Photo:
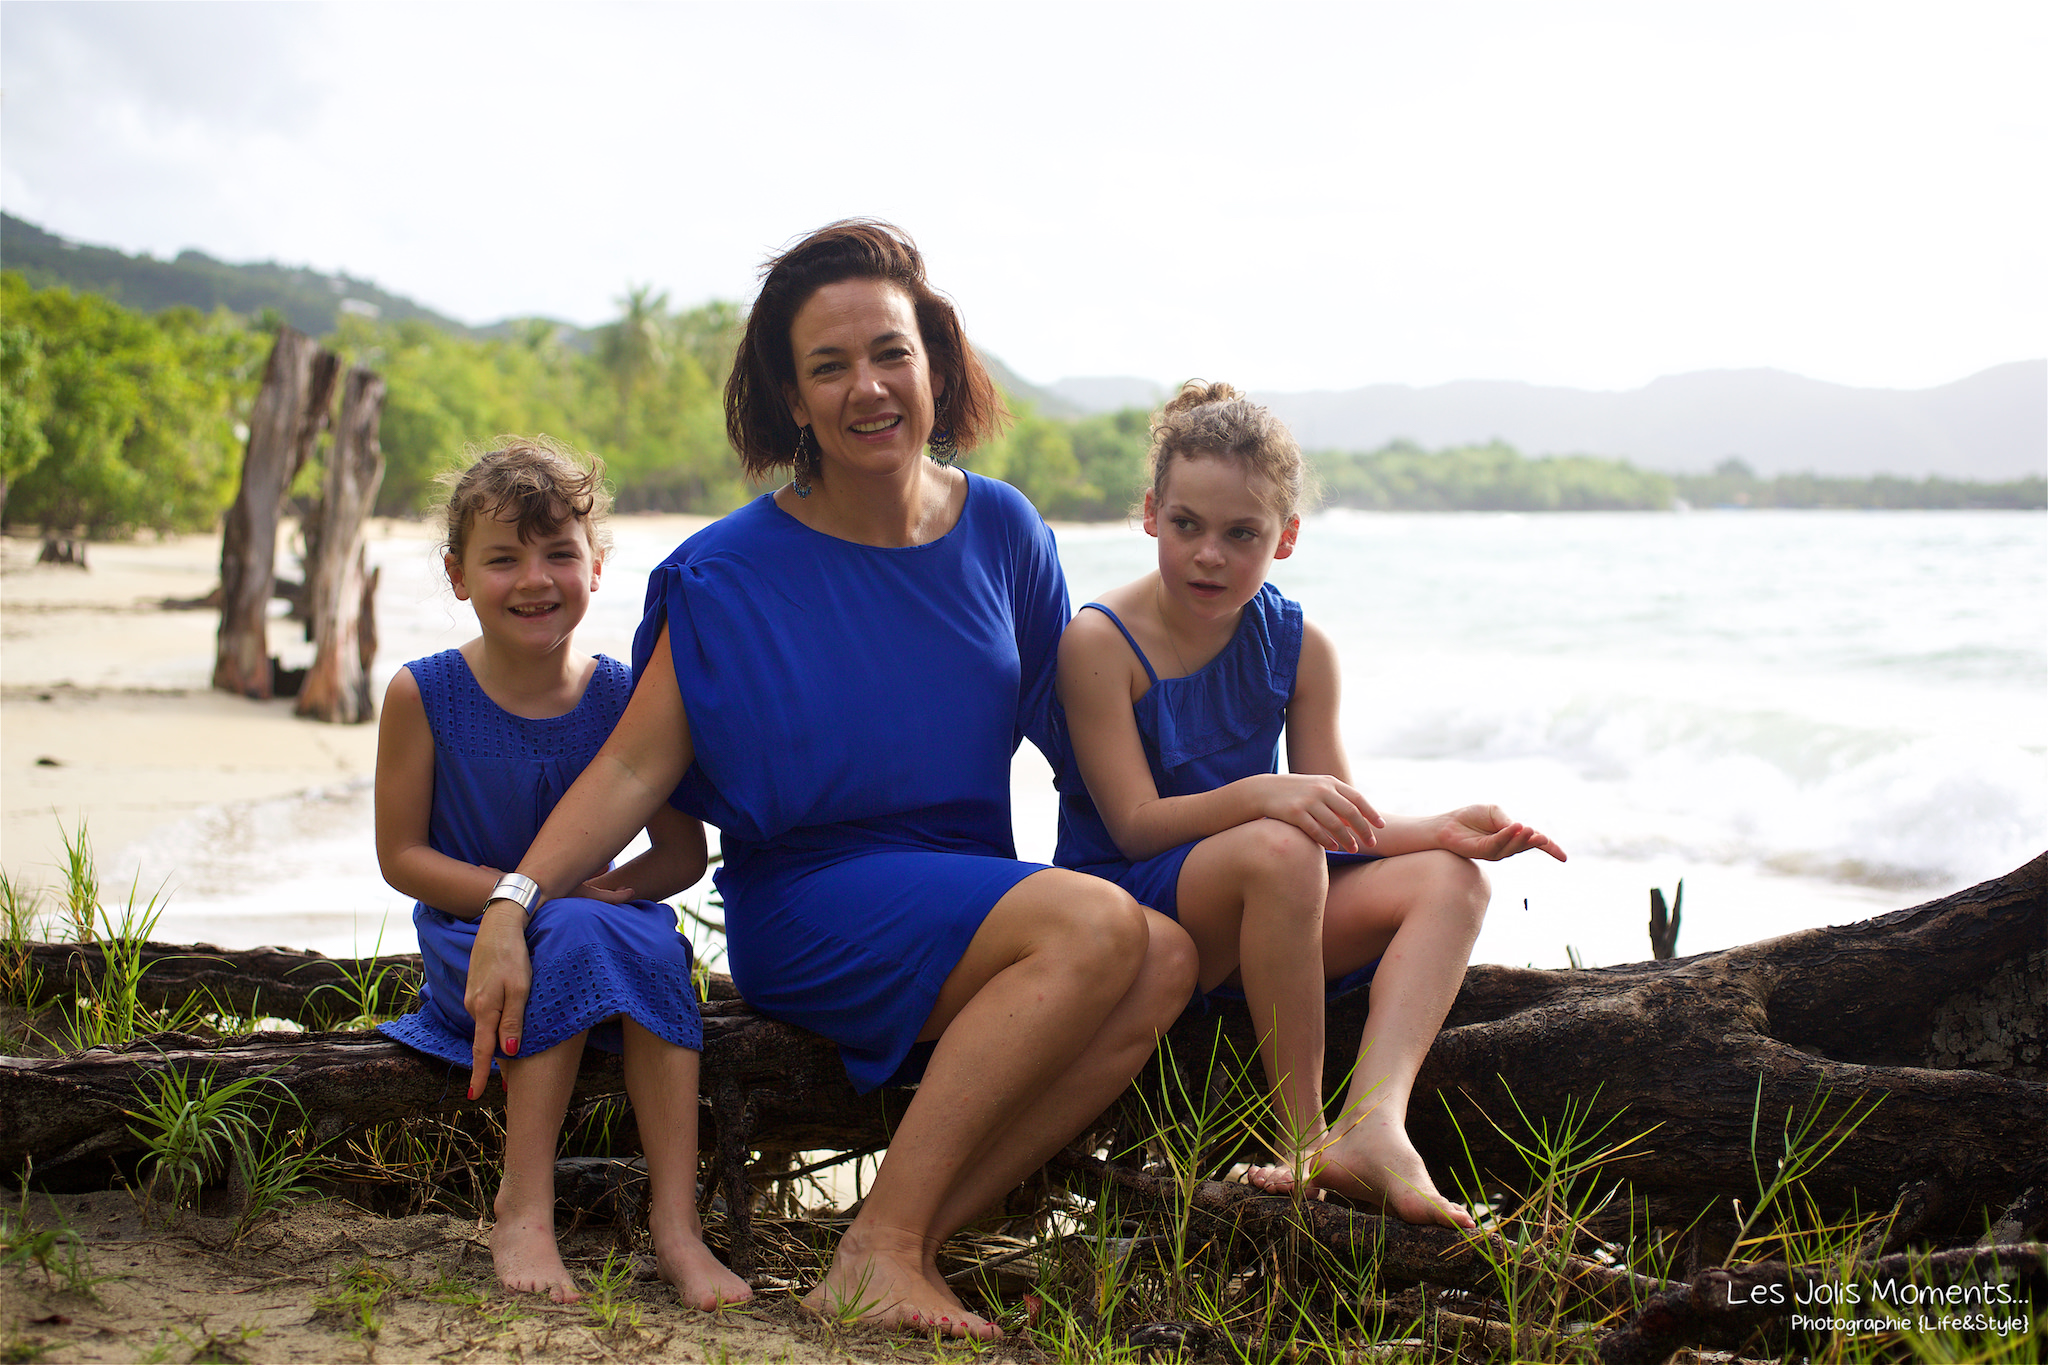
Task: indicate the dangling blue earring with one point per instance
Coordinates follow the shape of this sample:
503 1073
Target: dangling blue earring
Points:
800 460
944 449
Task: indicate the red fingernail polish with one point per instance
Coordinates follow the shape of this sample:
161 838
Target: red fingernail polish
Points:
511 1047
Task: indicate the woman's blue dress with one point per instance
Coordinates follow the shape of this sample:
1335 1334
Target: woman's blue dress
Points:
1201 731
853 712
496 778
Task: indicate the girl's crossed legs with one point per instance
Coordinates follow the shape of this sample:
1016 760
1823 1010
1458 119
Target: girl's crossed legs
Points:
1267 913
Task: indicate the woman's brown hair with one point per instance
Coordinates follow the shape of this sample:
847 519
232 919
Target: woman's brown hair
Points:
757 419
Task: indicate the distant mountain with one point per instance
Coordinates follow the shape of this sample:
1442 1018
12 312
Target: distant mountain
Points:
1109 393
307 299
1990 426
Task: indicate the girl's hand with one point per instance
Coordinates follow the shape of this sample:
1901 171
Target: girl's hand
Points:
605 888
500 977
1327 810
1485 834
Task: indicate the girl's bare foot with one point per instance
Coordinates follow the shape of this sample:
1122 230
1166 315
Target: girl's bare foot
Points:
701 1280
1374 1162
524 1254
878 1277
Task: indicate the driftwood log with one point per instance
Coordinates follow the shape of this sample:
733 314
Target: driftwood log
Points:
338 584
1926 1025
290 412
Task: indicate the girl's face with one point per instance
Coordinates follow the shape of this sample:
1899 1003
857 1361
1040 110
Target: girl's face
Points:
528 594
1217 534
863 379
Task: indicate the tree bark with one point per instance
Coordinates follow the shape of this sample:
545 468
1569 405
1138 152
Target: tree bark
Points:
337 689
291 408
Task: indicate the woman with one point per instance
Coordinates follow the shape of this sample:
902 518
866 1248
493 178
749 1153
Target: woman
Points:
836 676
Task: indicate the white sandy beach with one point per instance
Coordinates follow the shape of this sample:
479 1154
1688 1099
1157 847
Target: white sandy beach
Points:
107 717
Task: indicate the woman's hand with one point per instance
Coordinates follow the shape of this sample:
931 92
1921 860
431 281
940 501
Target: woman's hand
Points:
500 977
1485 834
1326 809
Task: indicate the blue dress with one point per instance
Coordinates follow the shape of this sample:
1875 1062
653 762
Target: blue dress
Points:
1202 731
496 778
853 712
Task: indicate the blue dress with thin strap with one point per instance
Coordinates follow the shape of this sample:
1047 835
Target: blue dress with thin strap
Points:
496 778
1202 731
853 711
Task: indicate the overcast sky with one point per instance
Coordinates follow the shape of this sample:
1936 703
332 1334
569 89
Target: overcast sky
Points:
1286 196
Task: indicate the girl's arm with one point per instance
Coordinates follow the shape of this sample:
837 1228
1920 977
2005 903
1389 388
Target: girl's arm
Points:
1314 745
616 797
404 804
1097 676
675 863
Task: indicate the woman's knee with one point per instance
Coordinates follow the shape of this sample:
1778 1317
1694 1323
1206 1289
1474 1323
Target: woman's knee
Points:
1092 920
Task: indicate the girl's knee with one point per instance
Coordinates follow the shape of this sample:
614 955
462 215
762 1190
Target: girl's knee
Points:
1274 850
1458 884
1171 958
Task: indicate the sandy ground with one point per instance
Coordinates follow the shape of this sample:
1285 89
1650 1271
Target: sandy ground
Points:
186 1294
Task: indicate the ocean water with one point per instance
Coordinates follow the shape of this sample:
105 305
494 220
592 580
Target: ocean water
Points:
1810 717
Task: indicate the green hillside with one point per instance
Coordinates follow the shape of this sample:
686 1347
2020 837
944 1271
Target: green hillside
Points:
307 299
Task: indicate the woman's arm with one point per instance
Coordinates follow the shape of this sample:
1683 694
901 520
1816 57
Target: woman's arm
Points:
404 807
1314 745
1096 680
617 795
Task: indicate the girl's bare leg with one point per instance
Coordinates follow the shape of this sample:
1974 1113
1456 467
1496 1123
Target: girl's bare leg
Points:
1052 975
1432 904
661 1080
1252 899
523 1248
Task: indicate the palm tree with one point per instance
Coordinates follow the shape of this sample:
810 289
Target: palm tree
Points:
635 346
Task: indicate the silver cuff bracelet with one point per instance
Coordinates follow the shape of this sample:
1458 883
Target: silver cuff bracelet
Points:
521 891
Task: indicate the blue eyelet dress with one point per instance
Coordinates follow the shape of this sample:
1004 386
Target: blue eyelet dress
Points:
496 778
1202 731
853 711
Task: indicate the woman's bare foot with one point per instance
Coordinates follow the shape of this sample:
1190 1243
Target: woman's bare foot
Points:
878 1277
524 1254
1374 1162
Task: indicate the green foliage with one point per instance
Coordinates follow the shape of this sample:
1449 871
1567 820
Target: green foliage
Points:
191 1128
59 1252
118 421
355 1300
1734 484
1486 478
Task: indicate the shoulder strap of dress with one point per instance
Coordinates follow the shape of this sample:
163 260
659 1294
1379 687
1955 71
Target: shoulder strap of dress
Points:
1149 674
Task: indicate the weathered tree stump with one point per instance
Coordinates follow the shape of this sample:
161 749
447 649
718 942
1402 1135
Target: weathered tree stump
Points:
337 688
291 409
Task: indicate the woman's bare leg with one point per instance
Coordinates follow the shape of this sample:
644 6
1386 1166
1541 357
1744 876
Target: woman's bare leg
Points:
1252 899
1427 908
1037 990
523 1247
661 1080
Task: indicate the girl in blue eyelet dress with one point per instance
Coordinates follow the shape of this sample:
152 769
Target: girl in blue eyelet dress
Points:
475 747
1177 690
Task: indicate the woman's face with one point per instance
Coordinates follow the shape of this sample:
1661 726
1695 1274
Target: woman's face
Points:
863 378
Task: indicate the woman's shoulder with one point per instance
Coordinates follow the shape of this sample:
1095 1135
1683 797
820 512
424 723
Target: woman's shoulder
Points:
995 501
